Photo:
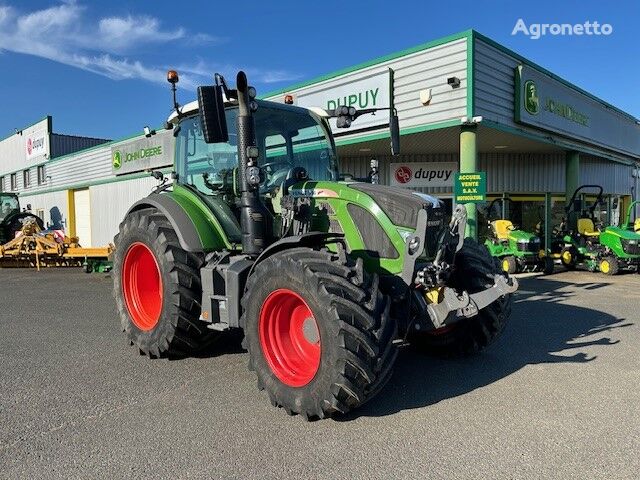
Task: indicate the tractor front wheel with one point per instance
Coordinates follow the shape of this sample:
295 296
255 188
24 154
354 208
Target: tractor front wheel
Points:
318 332
609 265
474 271
569 258
509 264
157 287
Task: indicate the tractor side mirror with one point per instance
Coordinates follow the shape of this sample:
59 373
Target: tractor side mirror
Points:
212 115
394 128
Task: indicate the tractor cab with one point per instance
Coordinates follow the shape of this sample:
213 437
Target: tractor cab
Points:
8 205
295 143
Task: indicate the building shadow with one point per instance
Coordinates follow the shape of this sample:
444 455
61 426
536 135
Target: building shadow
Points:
542 330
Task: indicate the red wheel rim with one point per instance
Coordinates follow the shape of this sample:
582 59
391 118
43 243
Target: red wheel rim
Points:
142 286
289 337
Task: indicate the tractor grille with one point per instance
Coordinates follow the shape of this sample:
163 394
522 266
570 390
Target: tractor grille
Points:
532 246
631 247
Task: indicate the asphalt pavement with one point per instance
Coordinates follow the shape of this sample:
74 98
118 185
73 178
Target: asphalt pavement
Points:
558 396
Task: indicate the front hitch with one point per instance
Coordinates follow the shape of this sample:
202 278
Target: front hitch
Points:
468 305
430 280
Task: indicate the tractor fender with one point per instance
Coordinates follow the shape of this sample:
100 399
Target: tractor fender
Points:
311 239
180 221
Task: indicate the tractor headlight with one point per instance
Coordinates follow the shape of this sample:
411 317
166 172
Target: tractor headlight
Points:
630 247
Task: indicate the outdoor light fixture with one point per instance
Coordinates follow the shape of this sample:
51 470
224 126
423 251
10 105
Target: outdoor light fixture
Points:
453 81
148 132
471 121
288 99
425 96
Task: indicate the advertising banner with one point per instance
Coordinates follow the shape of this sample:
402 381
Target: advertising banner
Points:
35 145
422 174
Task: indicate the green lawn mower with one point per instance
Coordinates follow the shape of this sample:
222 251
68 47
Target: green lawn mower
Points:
585 243
324 278
516 250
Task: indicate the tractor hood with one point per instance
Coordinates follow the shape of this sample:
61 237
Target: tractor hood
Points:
522 236
621 232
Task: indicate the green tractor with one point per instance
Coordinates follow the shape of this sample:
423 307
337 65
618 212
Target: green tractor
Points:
324 278
11 218
516 250
585 243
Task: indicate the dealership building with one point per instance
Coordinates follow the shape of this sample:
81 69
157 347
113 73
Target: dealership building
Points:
465 104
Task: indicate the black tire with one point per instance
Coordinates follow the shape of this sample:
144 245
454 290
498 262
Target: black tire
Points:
548 265
16 221
179 330
356 333
474 271
611 262
509 264
569 257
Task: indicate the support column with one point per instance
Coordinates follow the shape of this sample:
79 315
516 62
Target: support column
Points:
572 173
469 164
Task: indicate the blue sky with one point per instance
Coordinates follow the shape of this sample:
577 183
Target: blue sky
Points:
99 67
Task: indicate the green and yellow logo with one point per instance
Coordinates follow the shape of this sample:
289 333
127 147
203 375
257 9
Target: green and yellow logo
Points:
117 159
531 99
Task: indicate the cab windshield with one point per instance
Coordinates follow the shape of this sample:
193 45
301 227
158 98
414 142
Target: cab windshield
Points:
8 204
286 136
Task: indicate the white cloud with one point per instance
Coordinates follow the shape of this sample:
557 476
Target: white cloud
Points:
64 33
120 34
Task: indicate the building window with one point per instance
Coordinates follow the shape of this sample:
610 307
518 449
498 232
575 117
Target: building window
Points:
1 184
14 181
26 178
41 177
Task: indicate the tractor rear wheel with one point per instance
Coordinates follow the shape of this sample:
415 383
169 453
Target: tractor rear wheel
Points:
318 332
157 287
548 265
474 271
609 265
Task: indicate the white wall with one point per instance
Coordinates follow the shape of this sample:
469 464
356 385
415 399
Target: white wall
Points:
110 202
13 149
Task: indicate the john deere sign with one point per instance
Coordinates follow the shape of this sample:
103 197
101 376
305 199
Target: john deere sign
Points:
545 102
143 154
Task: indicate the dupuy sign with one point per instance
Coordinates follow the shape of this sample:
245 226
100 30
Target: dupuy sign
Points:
422 174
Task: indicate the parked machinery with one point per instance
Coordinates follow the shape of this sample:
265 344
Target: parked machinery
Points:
515 249
596 247
11 218
325 278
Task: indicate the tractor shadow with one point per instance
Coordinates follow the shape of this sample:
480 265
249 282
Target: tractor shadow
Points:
542 330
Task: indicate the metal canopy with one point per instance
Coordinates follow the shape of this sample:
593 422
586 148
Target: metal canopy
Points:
447 140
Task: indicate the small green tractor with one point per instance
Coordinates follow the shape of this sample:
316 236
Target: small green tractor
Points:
11 218
515 249
584 243
324 278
